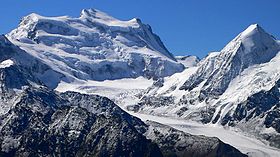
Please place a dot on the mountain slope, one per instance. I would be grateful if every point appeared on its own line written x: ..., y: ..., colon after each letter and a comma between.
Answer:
x: 45, y: 124
x: 37, y: 121
x: 253, y: 46
x: 13, y: 55
x: 95, y: 46
x: 59, y: 125
x: 177, y: 143
x: 225, y: 87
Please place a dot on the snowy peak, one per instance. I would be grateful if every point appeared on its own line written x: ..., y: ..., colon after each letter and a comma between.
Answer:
x: 95, y: 15
x: 256, y: 35
x: 95, y: 46
x: 252, y: 30
x: 144, y: 31
x: 252, y: 39
x: 92, y: 24
x: 252, y: 47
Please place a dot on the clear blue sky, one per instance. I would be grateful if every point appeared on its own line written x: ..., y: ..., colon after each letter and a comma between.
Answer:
x: 193, y: 27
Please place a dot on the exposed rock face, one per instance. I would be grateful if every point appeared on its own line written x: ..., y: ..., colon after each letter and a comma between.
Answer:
x: 36, y: 121
x: 177, y: 143
x: 45, y: 124
x: 260, y: 109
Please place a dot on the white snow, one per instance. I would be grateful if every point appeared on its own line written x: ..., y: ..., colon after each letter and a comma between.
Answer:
x: 126, y: 84
x: 103, y: 18
x: 250, y: 30
x: 252, y: 80
x: 244, y: 143
x: 6, y: 63
x: 255, y: 56
x: 78, y: 48
x: 188, y: 61
x: 94, y: 46
x: 177, y: 80
x: 122, y: 91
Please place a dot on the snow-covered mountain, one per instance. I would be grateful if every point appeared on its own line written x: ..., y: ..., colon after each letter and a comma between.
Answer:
x: 95, y: 46
x: 253, y: 46
x: 46, y: 57
x: 237, y: 86
x: 35, y: 120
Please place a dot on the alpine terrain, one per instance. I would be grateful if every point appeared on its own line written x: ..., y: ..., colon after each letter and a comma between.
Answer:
x: 45, y: 52
x: 95, y: 46
x: 236, y: 87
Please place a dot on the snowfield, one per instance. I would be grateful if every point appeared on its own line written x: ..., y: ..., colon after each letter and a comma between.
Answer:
x: 123, y: 93
x: 246, y: 144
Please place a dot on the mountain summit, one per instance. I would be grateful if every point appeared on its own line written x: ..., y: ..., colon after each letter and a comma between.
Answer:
x: 38, y: 120
x: 238, y: 86
x: 46, y: 59
x: 252, y: 46
x: 95, y: 15
x: 95, y: 46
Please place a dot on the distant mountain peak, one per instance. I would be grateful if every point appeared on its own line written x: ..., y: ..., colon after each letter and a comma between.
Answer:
x: 95, y: 43
x: 251, y: 47
x: 252, y: 29
x: 256, y: 36
x: 254, y: 39
x: 95, y: 15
